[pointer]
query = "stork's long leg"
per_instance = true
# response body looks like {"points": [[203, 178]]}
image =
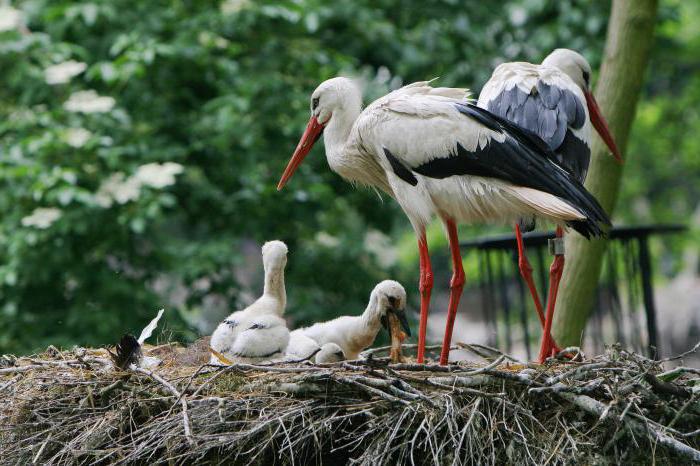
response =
{"points": [[526, 273], [425, 285], [555, 272], [456, 286]]}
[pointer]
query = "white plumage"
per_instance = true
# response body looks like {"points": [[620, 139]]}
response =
{"points": [[418, 124], [302, 347], [554, 102], [351, 333], [258, 333], [438, 154]]}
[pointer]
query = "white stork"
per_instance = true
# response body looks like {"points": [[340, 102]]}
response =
{"points": [[438, 154], [258, 333], [554, 101], [353, 334]]}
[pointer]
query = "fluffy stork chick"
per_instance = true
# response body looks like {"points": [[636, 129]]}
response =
{"points": [[258, 333], [302, 347], [330, 352], [353, 334]]}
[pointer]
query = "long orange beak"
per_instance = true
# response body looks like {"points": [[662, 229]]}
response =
{"points": [[311, 134], [601, 125]]}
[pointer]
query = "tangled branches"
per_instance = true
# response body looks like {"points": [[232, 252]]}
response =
{"points": [[618, 407]]}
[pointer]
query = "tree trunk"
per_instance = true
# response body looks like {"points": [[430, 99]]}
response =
{"points": [[629, 40]]}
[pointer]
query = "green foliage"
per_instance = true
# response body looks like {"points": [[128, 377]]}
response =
{"points": [[662, 185], [215, 94]]}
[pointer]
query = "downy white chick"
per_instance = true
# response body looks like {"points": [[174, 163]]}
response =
{"points": [[356, 333], [302, 347], [258, 333]]}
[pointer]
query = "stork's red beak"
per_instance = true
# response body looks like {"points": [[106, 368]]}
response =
{"points": [[601, 125], [311, 134]]}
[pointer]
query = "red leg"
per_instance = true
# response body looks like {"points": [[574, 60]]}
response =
{"points": [[456, 286], [425, 286], [555, 271], [526, 273]]}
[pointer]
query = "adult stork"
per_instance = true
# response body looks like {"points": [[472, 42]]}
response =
{"points": [[437, 154], [554, 101]]}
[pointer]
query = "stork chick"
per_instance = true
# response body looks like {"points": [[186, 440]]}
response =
{"points": [[302, 347], [353, 334], [258, 333]]}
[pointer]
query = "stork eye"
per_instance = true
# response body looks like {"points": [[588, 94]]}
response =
{"points": [[314, 103], [393, 301], [587, 77]]}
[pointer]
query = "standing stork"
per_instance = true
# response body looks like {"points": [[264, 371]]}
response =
{"points": [[554, 101], [437, 154]]}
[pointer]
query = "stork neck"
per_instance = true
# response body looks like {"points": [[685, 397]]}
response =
{"points": [[274, 285], [370, 318], [337, 132]]}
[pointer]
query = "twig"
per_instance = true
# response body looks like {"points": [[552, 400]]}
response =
{"points": [[11, 370], [477, 349], [381, 349], [576, 372], [176, 393], [676, 372], [667, 388], [371, 390], [682, 410], [41, 450], [10, 382], [597, 408], [488, 367], [692, 350]]}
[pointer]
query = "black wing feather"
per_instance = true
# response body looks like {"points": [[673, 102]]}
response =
{"points": [[548, 111], [524, 160]]}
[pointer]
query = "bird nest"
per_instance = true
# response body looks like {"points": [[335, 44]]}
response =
{"points": [[76, 407]]}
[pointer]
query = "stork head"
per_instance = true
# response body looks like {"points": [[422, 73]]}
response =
{"points": [[579, 70], [274, 255], [390, 298], [330, 352], [331, 97]]}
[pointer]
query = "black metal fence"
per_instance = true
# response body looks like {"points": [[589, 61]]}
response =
{"points": [[625, 310]]}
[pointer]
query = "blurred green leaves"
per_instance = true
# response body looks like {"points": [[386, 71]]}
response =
{"points": [[156, 164]]}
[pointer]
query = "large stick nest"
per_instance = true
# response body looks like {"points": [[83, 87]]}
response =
{"points": [[76, 407]]}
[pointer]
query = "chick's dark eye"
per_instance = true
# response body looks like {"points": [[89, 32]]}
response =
{"points": [[392, 300], [587, 77], [314, 103]]}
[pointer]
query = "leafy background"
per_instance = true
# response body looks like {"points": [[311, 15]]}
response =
{"points": [[158, 189]]}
